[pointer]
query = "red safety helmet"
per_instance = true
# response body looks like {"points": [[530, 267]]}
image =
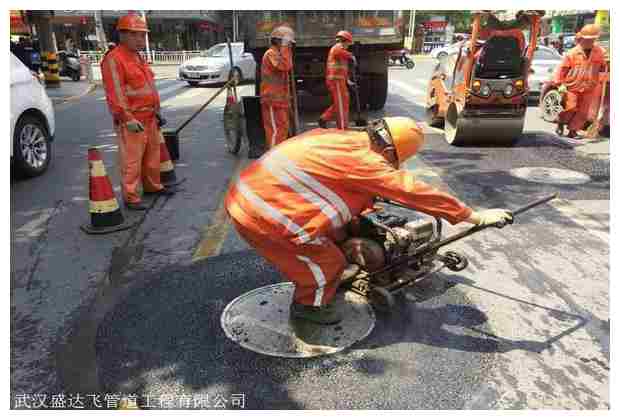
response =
{"points": [[346, 35], [133, 23]]}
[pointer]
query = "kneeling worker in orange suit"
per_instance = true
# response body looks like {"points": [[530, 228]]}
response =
{"points": [[578, 78], [337, 80], [134, 103], [275, 97], [294, 204]]}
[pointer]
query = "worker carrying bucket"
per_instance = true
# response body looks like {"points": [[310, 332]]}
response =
{"points": [[294, 204], [134, 104], [275, 95]]}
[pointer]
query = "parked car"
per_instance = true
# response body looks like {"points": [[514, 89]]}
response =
{"points": [[32, 121], [544, 62], [214, 65], [446, 50]]}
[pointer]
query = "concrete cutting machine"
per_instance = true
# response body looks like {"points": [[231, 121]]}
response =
{"points": [[394, 253], [480, 93]]}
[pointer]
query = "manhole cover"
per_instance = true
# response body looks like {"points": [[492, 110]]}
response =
{"points": [[259, 321], [550, 175]]}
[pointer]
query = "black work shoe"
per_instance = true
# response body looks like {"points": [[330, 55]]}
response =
{"points": [[164, 191], [573, 135], [136, 206], [322, 315], [560, 130], [322, 123]]}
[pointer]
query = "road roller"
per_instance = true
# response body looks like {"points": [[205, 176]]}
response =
{"points": [[479, 94]]}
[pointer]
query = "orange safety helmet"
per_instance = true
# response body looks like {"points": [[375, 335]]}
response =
{"points": [[407, 136], [133, 23], [590, 31], [346, 35]]}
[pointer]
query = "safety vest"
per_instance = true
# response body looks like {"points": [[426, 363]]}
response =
{"points": [[338, 63], [274, 84], [129, 85], [315, 183], [580, 73]]}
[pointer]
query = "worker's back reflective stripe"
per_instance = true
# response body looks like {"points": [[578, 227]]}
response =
{"points": [[117, 83], [319, 277], [302, 236], [273, 164], [332, 198]]}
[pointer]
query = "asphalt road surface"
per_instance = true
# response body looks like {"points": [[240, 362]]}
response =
{"points": [[137, 313]]}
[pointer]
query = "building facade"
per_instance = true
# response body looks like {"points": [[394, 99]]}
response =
{"points": [[169, 29]]}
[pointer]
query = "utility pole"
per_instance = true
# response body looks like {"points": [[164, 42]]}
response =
{"points": [[101, 39], [148, 49], [411, 40], [235, 26]]}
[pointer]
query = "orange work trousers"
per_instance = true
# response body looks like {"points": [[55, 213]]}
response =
{"points": [[139, 159], [276, 124], [577, 109], [339, 109], [314, 269]]}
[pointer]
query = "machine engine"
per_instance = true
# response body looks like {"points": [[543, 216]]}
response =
{"points": [[380, 238]]}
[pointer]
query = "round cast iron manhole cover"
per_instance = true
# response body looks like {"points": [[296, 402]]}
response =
{"points": [[550, 175], [259, 321]]}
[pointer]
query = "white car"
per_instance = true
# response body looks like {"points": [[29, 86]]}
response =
{"points": [[32, 121], [446, 50], [544, 62], [214, 65]]}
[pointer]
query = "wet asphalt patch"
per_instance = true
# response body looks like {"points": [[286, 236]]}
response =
{"points": [[164, 342]]}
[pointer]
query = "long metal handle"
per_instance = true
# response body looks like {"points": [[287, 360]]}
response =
{"points": [[476, 229], [203, 107], [435, 246]]}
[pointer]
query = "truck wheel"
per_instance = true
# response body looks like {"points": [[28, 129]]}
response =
{"points": [[378, 91]]}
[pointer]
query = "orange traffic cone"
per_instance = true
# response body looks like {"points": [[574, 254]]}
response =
{"points": [[168, 176], [105, 214]]}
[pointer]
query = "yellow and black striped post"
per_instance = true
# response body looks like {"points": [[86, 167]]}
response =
{"points": [[52, 78], [44, 67]]}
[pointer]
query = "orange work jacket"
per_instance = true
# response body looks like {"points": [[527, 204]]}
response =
{"points": [[274, 84], [580, 73], [307, 188], [129, 85], [338, 63]]}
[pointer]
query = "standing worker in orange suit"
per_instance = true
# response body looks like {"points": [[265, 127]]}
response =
{"points": [[294, 204], [134, 104], [337, 80], [578, 78], [275, 96]]}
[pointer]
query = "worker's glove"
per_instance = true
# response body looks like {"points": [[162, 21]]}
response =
{"points": [[161, 121], [135, 126], [495, 217], [351, 83], [562, 89], [354, 61]]}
